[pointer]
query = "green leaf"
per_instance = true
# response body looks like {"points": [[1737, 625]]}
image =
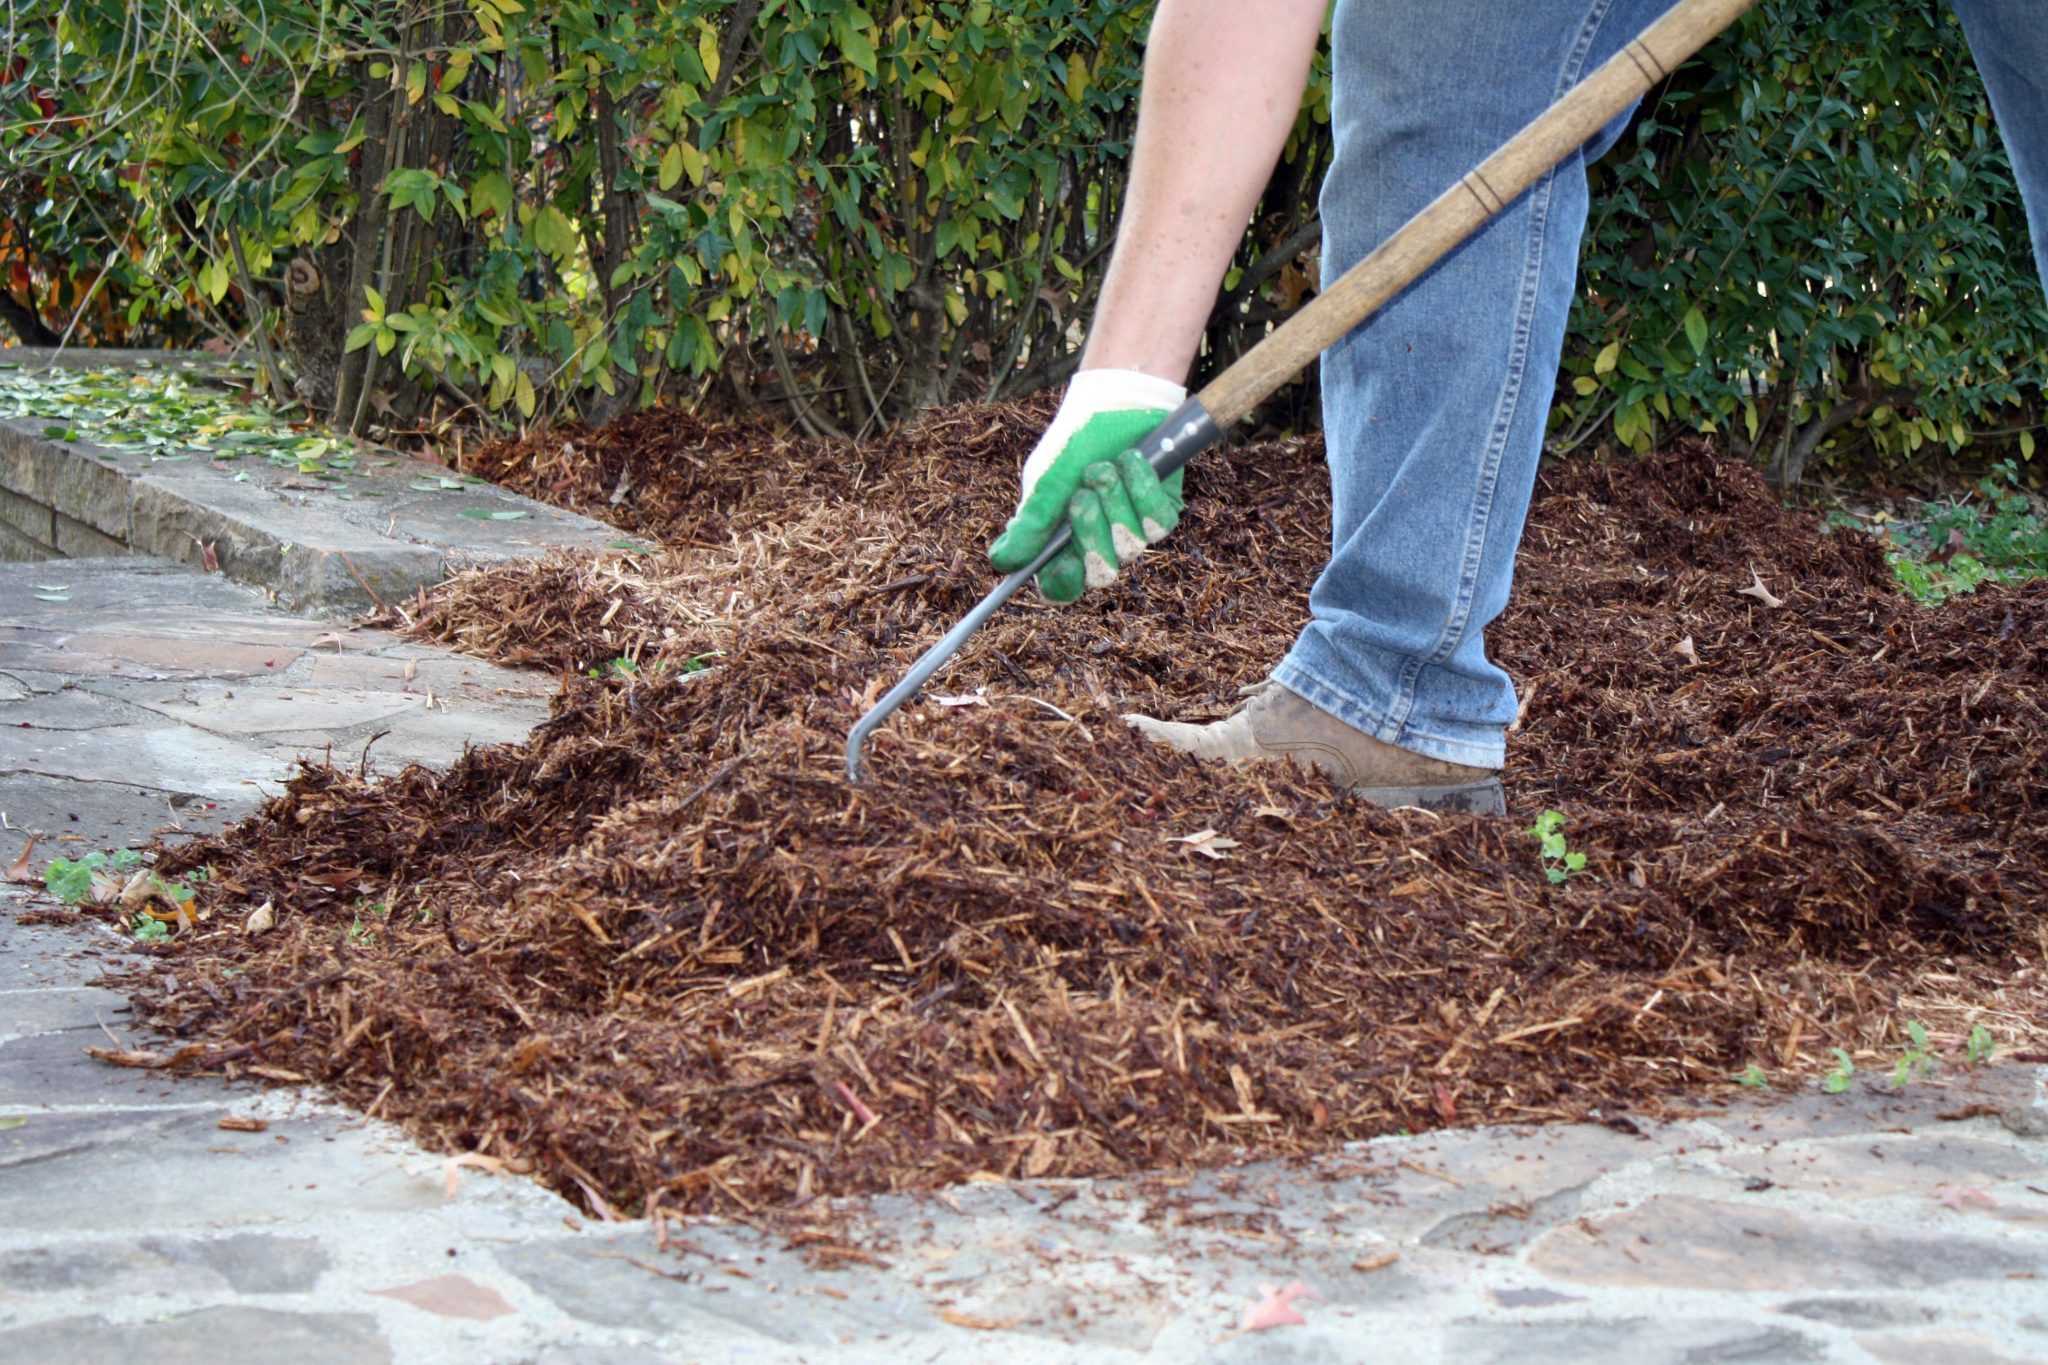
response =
{"points": [[553, 232], [491, 192], [487, 514], [1609, 357], [855, 45], [1696, 330], [671, 166]]}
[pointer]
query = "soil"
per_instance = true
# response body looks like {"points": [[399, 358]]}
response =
{"points": [[666, 956]]}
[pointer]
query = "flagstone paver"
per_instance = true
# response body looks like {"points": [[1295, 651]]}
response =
{"points": [[1864, 1227]]}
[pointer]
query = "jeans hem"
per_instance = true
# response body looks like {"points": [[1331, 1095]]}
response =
{"points": [[1483, 747]]}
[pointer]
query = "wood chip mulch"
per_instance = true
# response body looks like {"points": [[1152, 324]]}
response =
{"points": [[664, 955]]}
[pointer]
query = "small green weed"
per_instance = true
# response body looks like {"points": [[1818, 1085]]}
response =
{"points": [[1751, 1076], [1560, 864], [1836, 1081], [149, 930], [1980, 1045], [1999, 537], [630, 668], [1915, 1058], [70, 879]]}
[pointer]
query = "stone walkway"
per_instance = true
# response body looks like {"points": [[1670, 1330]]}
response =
{"points": [[1882, 1226]]}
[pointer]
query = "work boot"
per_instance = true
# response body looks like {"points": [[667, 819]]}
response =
{"points": [[1276, 723]]}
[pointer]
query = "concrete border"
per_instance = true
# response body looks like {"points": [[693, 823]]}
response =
{"points": [[374, 538]]}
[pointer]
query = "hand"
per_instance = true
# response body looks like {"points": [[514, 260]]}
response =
{"points": [[1086, 471]]}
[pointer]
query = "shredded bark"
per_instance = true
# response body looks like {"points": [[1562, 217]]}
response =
{"points": [[665, 955]]}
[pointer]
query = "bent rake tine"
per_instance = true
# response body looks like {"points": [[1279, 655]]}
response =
{"points": [[1419, 244]]}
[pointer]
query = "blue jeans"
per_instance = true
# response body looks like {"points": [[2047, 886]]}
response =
{"points": [[1434, 410]]}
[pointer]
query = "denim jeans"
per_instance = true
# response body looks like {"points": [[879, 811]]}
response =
{"points": [[1434, 410]]}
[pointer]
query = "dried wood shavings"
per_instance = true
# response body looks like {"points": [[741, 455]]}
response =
{"points": [[662, 953]]}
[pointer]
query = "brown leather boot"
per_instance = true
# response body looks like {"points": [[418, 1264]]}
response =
{"points": [[1276, 723]]}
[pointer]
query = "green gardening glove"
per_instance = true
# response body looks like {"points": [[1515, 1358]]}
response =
{"points": [[1086, 471]]}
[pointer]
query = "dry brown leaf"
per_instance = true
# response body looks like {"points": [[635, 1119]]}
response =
{"points": [[260, 919], [242, 1123], [1206, 842], [978, 1324], [1761, 593], [1687, 652], [1276, 1307], [17, 871], [451, 1169], [1962, 1196], [1368, 1264]]}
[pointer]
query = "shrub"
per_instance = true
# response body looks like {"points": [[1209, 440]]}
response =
{"points": [[1810, 241]]}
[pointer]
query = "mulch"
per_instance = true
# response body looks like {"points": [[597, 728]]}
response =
{"points": [[665, 956]]}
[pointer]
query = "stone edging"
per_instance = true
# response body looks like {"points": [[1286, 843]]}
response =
{"points": [[264, 525]]}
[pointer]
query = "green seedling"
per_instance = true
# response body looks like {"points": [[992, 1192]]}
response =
{"points": [[148, 930], [1980, 1045], [1836, 1081], [1560, 864], [1915, 1058], [70, 879], [1751, 1076]]}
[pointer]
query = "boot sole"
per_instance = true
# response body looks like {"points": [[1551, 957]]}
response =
{"points": [[1466, 798]]}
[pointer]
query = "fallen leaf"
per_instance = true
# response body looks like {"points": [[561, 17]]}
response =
{"points": [[965, 699], [18, 871], [1687, 652], [1206, 842], [238, 1123], [140, 887], [1761, 593], [260, 919], [451, 1296], [451, 1169], [1271, 813], [1276, 1309], [1961, 1196], [959, 1319], [1367, 1264]]}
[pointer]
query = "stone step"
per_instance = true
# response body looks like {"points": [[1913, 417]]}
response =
{"points": [[371, 539]]}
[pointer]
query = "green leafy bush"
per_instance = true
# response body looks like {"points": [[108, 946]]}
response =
{"points": [[1812, 242], [1809, 242]]}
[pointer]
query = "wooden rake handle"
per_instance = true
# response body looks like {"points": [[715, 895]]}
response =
{"points": [[1396, 263]]}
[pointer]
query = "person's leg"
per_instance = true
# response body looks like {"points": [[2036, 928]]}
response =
{"points": [[1434, 410], [2009, 39]]}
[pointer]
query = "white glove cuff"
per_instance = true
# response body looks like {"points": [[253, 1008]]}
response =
{"points": [[1093, 391], [1089, 394]]}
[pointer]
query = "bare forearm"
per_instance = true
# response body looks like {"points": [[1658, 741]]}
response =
{"points": [[1223, 81]]}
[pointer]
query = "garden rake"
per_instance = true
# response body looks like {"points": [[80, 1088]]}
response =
{"points": [[1422, 241]]}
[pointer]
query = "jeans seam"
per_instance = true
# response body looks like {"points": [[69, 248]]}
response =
{"points": [[1508, 405]]}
